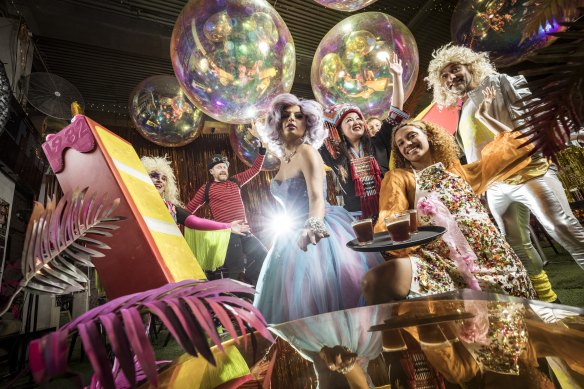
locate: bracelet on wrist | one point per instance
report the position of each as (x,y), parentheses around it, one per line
(316,225)
(350,365)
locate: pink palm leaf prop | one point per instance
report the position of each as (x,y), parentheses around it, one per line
(186,308)
(58,242)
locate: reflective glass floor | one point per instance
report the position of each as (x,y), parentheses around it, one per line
(463,339)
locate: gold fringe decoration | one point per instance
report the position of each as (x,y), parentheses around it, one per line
(571,172)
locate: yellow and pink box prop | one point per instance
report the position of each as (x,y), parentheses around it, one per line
(148,250)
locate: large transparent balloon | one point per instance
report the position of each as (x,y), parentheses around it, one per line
(246,145)
(496,26)
(350,64)
(345,5)
(163,114)
(232,57)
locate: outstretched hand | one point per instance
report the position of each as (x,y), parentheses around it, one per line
(239,227)
(489,95)
(395,64)
(308,236)
(338,358)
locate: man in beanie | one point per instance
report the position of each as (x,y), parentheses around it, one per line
(223,194)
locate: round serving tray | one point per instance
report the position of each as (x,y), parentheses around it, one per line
(382,241)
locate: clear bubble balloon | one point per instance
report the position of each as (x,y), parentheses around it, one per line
(345,5)
(246,145)
(232,57)
(163,114)
(350,63)
(496,26)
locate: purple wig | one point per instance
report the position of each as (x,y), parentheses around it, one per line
(315,130)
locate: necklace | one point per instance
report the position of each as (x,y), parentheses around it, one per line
(287,158)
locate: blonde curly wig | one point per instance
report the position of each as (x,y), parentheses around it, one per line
(161,165)
(442,145)
(478,63)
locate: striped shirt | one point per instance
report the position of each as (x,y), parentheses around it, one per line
(225,197)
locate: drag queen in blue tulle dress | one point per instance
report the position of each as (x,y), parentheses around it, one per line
(309,270)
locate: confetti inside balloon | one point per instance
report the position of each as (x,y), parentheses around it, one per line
(345,5)
(496,26)
(163,114)
(350,63)
(245,145)
(232,57)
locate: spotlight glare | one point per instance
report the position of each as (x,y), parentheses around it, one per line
(280,224)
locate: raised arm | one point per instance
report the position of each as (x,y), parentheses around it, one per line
(396,70)
(500,159)
(246,176)
(483,115)
(313,170)
(382,140)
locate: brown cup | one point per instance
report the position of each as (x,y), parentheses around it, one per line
(413,220)
(398,226)
(364,231)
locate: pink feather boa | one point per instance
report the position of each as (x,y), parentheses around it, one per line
(460,251)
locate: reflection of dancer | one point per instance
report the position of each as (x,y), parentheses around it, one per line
(223,194)
(336,342)
(242,75)
(304,280)
(459,73)
(369,75)
(356,158)
(472,253)
(505,353)
(215,233)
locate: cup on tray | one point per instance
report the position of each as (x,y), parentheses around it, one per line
(413,220)
(398,226)
(364,231)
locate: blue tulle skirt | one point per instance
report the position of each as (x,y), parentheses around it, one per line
(294,284)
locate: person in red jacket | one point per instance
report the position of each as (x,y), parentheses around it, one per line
(223,194)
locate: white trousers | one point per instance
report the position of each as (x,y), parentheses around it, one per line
(545,197)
